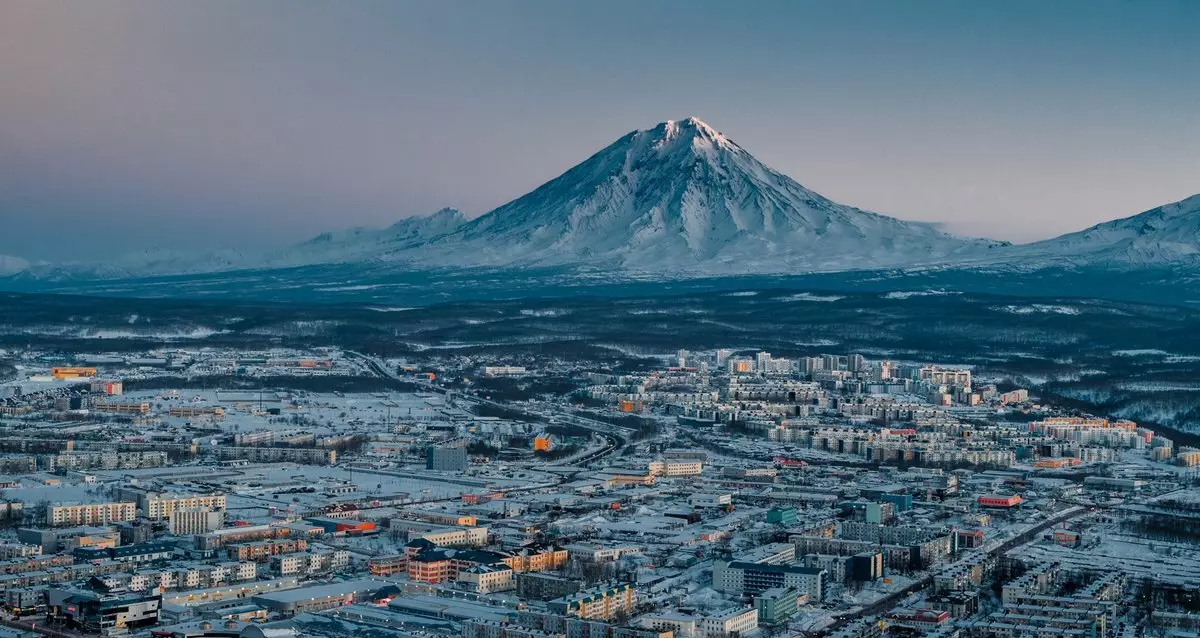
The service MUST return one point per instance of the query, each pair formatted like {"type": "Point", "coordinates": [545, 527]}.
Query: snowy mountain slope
{"type": "Point", "coordinates": [344, 246]}
{"type": "Point", "coordinates": [683, 197]}
{"type": "Point", "coordinates": [10, 265]}
{"type": "Point", "coordinates": [142, 263]}
{"type": "Point", "coordinates": [366, 244]}
{"type": "Point", "coordinates": [1168, 235]}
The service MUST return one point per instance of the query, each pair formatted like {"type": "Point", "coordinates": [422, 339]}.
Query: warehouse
{"type": "Point", "coordinates": [321, 597]}
{"type": "Point", "coordinates": [342, 525]}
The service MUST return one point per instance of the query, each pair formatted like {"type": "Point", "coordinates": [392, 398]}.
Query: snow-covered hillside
{"type": "Point", "coordinates": [149, 262]}
{"type": "Point", "coordinates": [1164, 236]}
{"type": "Point", "coordinates": [337, 247]}
{"type": "Point", "coordinates": [367, 244]}
{"type": "Point", "coordinates": [10, 265]}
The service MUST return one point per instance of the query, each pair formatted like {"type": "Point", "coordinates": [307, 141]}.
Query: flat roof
{"type": "Point", "coordinates": [324, 591]}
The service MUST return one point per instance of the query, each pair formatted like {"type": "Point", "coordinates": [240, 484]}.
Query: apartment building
{"type": "Point", "coordinates": [736, 577]}
{"type": "Point", "coordinates": [65, 514]}
{"type": "Point", "coordinates": [388, 565]}
{"type": "Point", "coordinates": [304, 456]}
{"type": "Point", "coordinates": [674, 468]}
{"type": "Point", "coordinates": [310, 562]}
{"type": "Point", "coordinates": [262, 550]}
{"type": "Point", "coordinates": [600, 603]}
{"type": "Point", "coordinates": [106, 460]}
{"type": "Point", "coordinates": [195, 520]}
{"type": "Point", "coordinates": [442, 535]}
{"type": "Point", "coordinates": [18, 550]}
{"type": "Point", "coordinates": [536, 558]}
{"type": "Point", "coordinates": [485, 579]}
{"type": "Point", "coordinates": [730, 622]}
{"type": "Point", "coordinates": [160, 506]}
{"type": "Point", "coordinates": [536, 586]}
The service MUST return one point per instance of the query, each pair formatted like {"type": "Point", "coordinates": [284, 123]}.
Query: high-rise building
{"type": "Point", "coordinates": [195, 520]}
{"type": "Point", "coordinates": [444, 458]}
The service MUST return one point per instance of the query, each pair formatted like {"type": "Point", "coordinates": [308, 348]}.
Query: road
{"type": "Point", "coordinates": [33, 628]}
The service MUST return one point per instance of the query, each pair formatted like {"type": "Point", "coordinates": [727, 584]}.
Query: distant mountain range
{"type": "Point", "coordinates": [679, 200]}
{"type": "Point", "coordinates": [1168, 235]}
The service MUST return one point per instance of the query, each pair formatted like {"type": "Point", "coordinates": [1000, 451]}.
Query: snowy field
{"type": "Point", "coordinates": [320, 413]}
{"type": "Point", "coordinates": [1105, 547]}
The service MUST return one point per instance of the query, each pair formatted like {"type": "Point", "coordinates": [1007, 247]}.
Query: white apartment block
{"type": "Point", "coordinates": [485, 579]}
{"type": "Point", "coordinates": [237, 571]}
{"type": "Point", "coordinates": [453, 536]}
{"type": "Point", "coordinates": [195, 520]}
{"type": "Point", "coordinates": [160, 506]}
{"type": "Point", "coordinates": [19, 550]}
{"type": "Point", "coordinates": [732, 622]}
{"type": "Point", "coordinates": [602, 553]}
{"type": "Point", "coordinates": [504, 371]}
{"type": "Point", "coordinates": [675, 468]}
{"type": "Point", "coordinates": [711, 499]}
{"type": "Point", "coordinates": [315, 562]}
{"type": "Point", "coordinates": [90, 514]}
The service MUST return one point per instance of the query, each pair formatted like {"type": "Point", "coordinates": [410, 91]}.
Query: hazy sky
{"type": "Point", "coordinates": [195, 125]}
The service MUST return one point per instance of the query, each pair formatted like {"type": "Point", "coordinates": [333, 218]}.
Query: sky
{"type": "Point", "coordinates": [192, 126]}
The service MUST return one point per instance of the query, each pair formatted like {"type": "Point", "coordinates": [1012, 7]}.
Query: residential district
{"type": "Point", "coordinates": [719, 494]}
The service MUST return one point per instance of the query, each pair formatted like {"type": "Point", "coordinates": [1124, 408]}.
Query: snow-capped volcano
{"type": "Point", "coordinates": [1162, 236]}
{"type": "Point", "coordinates": [680, 197]}
{"type": "Point", "coordinates": [679, 200]}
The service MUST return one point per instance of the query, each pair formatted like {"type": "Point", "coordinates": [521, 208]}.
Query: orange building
{"type": "Point", "coordinates": [1011, 500]}
{"type": "Point", "coordinates": [541, 444]}
{"type": "Point", "coordinates": [537, 558]}
{"type": "Point", "coordinates": [432, 569]}
{"type": "Point", "coordinates": [122, 408]}
{"type": "Point", "coordinates": [630, 406]}
{"type": "Point", "coordinates": [1067, 461]}
{"type": "Point", "coordinates": [72, 373]}
{"type": "Point", "coordinates": [262, 550]}
{"type": "Point", "coordinates": [388, 565]}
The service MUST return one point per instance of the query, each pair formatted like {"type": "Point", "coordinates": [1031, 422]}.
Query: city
{"type": "Point", "coordinates": [599, 319]}
{"type": "Point", "coordinates": [710, 494]}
